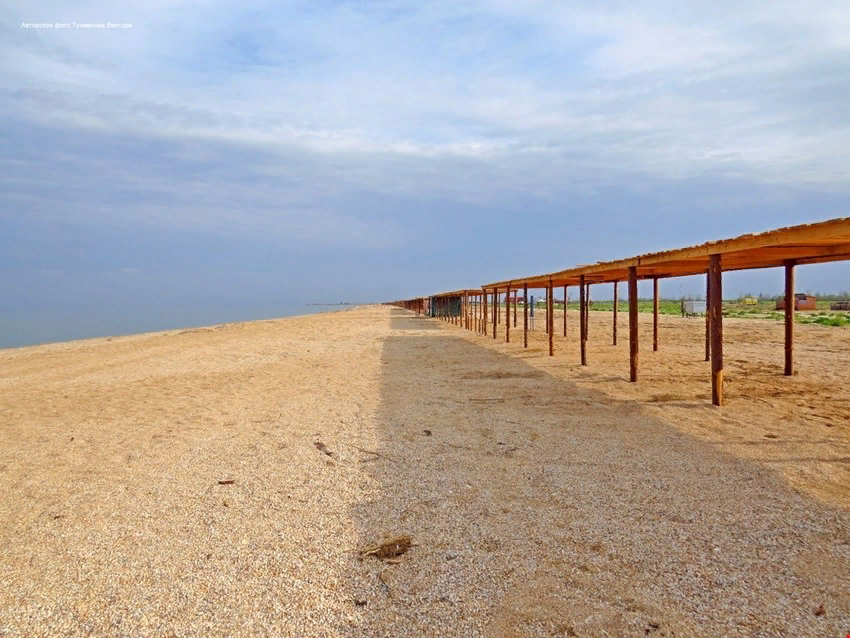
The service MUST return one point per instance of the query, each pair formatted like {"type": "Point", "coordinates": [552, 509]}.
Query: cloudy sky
{"type": "Point", "coordinates": [229, 160]}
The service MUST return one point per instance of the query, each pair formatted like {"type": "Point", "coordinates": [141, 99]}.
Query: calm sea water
{"type": "Point", "coordinates": [36, 327]}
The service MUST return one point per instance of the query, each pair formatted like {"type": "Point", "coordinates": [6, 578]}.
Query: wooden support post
{"type": "Point", "coordinates": [789, 317]}
{"type": "Point", "coordinates": [582, 319]}
{"type": "Point", "coordinates": [551, 317]}
{"type": "Point", "coordinates": [655, 314]}
{"type": "Point", "coordinates": [516, 302]}
{"type": "Point", "coordinates": [707, 316]}
{"type": "Point", "coordinates": [565, 310]}
{"type": "Point", "coordinates": [546, 320]}
{"type": "Point", "coordinates": [525, 317]}
{"type": "Point", "coordinates": [499, 308]}
{"type": "Point", "coordinates": [587, 313]}
{"type": "Point", "coordinates": [716, 276]}
{"type": "Point", "coordinates": [495, 310]}
{"type": "Point", "coordinates": [484, 317]}
{"type": "Point", "coordinates": [616, 307]}
{"type": "Point", "coordinates": [508, 315]}
{"type": "Point", "coordinates": [633, 325]}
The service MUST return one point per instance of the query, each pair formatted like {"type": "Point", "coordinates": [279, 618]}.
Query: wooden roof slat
{"type": "Point", "coordinates": [807, 243]}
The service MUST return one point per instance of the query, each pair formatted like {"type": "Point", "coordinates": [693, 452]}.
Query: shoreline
{"type": "Point", "coordinates": [117, 336]}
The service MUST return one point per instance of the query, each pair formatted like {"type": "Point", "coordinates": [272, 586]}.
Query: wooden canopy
{"type": "Point", "coordinates": [806, 244]}
{"type": "Point", "coordinates": [459, 293]}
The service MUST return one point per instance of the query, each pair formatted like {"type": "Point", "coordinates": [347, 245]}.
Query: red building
{"type": "Point", "coordinates": [802, 301]}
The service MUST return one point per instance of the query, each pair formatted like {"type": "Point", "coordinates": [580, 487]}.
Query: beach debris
{"type": "Point", "coordinates": [820, 611]}
{"type": "Point", "coordinates": [427, 432]}
{"type": "Point", "coordinates": [389, 550]}
{"type": "Point", "coordinates": [227, 482]}
{"type": "Point", "coordinates": [323, 448]}
{"type": "Point", "coordinates": [359, 602]}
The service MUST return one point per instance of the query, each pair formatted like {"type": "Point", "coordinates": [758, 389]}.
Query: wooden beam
{"type": "Point", "coordinates": [616, 307]}
{"type": "Point", "coordinates": [484, 312]}
{"type": "Point", "coordinates": [525, 317]}
{"type": "Point", "coordinates": [508, 315]}
{"type": "Point", "coordinates": [655, 314]}
{"type": "Point", "coordinates": [480, 311]}
{"type": "Point", "coordinates": [716, 277]}
{"type": "Point", "coordinates": [707, 316]}
{"type": "Point", "coordinates": [546, 318]}
{"type": "Point", "coordinates": [550, 305]}
{"type": "Point", "coordinates": [495, 310]}
{"type": "Point", "coordinates": [812, 243]}
{"type": "Point", "coordinates": [633, 325]}
{"type": "Point", "coordinates": [582, 291]}
{"type": "Point", "coordinates": [565, 311]}
{"type": "Point", "coordinates": [516, 295]}
{"type": "Point", "coordinates": [789, 317]}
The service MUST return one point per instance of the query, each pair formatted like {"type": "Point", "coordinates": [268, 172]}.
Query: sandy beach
{"type": "Point", "coordinates": [219, 482]}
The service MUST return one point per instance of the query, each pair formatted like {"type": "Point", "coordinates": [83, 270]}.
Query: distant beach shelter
{"type": "Point", "coordinates": [802, 301]}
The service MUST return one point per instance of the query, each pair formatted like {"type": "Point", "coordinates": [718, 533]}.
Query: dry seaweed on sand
{"type": "Point", "coordinates": [323, 448]}
{"type": "Point", "coordinates": [389, 550]}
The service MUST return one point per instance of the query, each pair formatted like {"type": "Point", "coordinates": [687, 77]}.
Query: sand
{"type": "Point", "coordinates": [172, 484]}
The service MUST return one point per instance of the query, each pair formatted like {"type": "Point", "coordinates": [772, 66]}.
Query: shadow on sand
{"type": "Point", "coordinates": [543, 509]}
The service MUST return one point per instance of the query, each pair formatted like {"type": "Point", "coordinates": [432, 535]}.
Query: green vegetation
{"type": "Point", "coordinates": [764, 308]}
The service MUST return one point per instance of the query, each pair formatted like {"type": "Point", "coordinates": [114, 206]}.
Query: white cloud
{"type": "Point", "coordinates": [464, 100]}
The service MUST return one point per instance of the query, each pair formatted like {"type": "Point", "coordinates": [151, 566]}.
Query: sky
{"type": "Point", "coordinates": [201, 162]}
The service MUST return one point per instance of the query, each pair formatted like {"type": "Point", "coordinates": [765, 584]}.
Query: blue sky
{"type": "Point", "coordinates": [221, 161]}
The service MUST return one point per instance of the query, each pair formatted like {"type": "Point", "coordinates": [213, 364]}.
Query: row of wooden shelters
{"type": "Point", "coordinates": [785, 247]}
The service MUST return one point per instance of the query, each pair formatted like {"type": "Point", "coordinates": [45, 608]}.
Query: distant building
{"type": "Point", "coordinates": [692, 307]}
{"type": "Point", "coordinates": [802, 301]}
